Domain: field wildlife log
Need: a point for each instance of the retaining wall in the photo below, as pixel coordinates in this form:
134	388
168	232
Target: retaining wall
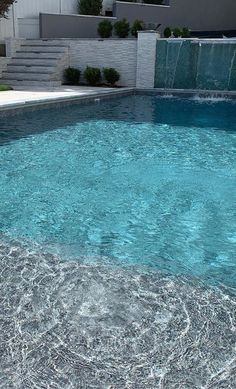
3	64
70	26
120	54
199	15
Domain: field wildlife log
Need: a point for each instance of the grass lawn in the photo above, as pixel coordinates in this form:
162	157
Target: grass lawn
4	88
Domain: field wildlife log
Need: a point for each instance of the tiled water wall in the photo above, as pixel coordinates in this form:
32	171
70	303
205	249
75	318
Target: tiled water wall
196	64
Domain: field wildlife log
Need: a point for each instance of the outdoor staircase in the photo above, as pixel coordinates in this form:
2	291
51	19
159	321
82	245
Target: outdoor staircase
37	63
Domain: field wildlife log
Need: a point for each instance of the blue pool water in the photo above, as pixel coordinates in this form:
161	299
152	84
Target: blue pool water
117	246
139	180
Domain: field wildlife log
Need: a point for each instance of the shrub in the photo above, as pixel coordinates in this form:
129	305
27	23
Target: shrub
177	32
137	26
111	75
122	28
90	7
157	2
105	29
185	33
4	88
167	32
72	76
92	75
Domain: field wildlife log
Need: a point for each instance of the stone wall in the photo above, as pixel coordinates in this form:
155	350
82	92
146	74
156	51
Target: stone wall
120	54
146	59
3	64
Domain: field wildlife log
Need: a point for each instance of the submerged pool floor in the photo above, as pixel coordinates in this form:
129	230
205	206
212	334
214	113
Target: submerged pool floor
117	245
67	325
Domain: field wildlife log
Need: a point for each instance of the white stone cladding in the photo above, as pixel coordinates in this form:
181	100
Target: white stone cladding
146	59
120	54
134	59
3	64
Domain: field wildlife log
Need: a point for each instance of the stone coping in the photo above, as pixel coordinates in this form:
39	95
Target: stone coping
17	101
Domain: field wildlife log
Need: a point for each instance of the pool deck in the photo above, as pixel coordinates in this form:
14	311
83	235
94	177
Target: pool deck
16	100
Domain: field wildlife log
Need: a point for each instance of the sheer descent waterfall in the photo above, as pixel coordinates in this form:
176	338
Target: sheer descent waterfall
196	64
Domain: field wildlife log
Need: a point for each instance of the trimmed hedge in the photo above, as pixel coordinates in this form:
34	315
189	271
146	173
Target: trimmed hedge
122	28
138	25
72	76
92	75
111	75
105	28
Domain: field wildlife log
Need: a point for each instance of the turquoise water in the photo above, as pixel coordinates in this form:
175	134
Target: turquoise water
138	180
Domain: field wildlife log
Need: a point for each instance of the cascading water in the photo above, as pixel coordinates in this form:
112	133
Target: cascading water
193	64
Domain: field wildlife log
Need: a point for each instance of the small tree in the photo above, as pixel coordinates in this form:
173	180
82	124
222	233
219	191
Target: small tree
167	32
90	7
137	26
105	28
154	2
72	76
186	33
111	75
177	32
4	7
122	28
92	75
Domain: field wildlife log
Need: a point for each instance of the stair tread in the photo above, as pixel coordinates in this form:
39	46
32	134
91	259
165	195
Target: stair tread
45	52
49	58
11	71
42	45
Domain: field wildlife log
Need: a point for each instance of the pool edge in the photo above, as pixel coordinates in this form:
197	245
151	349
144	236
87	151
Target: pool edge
46	103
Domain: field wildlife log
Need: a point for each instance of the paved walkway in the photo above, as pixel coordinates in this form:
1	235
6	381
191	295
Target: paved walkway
31	96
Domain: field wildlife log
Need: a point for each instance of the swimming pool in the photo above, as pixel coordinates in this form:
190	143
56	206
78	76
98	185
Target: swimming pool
121	216
144	181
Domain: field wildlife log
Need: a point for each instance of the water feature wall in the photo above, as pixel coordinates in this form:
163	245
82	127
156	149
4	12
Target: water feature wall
196	64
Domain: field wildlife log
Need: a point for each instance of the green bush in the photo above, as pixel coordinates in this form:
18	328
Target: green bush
92	75
4	88
167	32
90	7
177	32
72	76
185	33
111	75
137	26
156	2
105	28
122	28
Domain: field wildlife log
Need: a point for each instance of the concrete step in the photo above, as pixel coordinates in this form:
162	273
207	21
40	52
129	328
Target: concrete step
41	49
38	55
26	76
44	42
34	62
30	83
29	68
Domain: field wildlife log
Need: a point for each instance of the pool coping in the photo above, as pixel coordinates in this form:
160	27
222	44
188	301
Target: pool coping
58	101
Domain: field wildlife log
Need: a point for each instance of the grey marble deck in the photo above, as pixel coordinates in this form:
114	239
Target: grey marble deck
67	324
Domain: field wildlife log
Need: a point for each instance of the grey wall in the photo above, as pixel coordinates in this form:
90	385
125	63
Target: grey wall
69	26
196	14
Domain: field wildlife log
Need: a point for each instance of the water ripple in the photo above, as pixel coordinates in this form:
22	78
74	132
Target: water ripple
64	324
